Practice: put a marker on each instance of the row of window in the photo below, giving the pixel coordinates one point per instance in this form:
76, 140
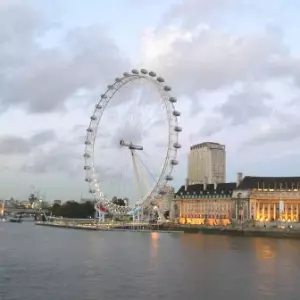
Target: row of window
207, 216
205, 206
207, 194
205, 209
277, 208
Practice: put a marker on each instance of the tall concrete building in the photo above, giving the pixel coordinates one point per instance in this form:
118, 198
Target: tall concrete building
207, 163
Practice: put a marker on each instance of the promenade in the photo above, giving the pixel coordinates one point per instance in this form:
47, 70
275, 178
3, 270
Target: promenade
232, 230
90, 224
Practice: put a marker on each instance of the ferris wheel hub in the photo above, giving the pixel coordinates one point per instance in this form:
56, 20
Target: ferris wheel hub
130, 145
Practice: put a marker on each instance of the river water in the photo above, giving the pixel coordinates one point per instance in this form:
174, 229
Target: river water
49, 263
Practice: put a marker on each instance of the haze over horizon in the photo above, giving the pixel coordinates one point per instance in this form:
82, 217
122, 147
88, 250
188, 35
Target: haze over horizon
234, 66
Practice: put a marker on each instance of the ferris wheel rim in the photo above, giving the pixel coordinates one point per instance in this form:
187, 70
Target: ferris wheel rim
170, 159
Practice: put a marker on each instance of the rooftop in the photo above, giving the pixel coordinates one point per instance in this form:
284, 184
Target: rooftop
285, 183
210, 145
196, 189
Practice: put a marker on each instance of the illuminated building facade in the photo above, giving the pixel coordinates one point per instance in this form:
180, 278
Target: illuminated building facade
267, 199
209, 204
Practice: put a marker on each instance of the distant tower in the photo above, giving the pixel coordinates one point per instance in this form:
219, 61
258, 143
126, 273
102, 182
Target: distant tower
207, 163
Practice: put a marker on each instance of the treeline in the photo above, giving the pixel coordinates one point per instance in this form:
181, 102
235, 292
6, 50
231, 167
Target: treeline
119, 201
73, 209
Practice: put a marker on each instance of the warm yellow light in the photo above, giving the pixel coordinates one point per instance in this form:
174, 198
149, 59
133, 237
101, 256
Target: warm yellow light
154, 235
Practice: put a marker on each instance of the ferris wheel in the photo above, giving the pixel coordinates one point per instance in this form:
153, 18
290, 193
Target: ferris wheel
132, 146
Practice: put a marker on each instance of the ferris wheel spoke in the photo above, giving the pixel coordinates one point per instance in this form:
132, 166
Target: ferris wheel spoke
146, 168
153, 114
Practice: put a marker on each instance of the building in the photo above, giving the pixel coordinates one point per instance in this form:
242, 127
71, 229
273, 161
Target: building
209, 204
165, 199
207, 163
267, 199
57, 202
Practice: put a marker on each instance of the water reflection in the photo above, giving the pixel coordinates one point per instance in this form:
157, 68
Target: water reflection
66, 264
264, 248
154, 241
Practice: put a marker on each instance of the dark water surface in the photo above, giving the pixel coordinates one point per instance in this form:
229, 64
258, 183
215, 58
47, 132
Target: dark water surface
50, 263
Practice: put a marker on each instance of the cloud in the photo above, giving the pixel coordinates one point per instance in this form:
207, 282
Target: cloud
286, 66
237, 78
211, 126
208, 59
42, 79
14, 145
285, 129
56, 160
246, 105
190, 12
43, 137
10, 145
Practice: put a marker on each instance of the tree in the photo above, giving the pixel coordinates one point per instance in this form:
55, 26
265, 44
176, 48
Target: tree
56, 209
119, 201
45, 205
73, 209
32, 198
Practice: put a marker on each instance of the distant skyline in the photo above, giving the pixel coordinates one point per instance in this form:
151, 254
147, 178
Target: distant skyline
234, 66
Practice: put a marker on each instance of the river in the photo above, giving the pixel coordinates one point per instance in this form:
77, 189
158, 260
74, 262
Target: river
46, 263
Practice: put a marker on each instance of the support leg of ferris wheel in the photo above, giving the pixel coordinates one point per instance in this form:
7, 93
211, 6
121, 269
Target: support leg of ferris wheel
160, 212
101, 217
137, 214
145, 181
100, 213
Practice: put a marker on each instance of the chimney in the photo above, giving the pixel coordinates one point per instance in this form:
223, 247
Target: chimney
205, 184
186, 184
239, 178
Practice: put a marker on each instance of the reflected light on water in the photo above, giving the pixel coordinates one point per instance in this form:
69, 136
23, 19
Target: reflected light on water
154, 244
273, 269
153, 251
264, 250
154, 235
206, 242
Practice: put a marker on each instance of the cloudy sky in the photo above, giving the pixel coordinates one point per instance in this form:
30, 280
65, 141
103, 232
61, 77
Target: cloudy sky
233, 64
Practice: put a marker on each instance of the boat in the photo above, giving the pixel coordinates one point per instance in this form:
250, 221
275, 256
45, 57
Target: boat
15, 219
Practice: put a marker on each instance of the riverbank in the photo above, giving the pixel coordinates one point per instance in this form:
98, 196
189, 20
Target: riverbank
107, 228
245, 232
248, 232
